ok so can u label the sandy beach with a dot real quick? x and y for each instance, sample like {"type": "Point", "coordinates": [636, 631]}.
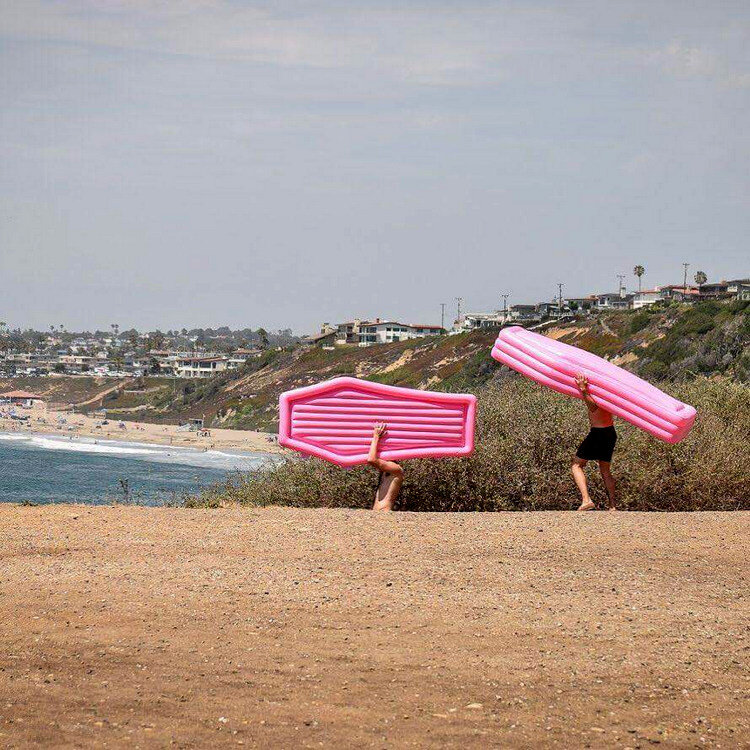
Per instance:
{"type": "Point", "coordinates": [48, 421]}
{"type": "Point", "coordinates": [134, 627]}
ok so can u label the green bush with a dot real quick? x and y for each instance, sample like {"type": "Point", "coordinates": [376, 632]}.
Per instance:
{"type": "Point", "coordinates": [526, 438]}
{"type": "Point", "coordinates": [639, 321]}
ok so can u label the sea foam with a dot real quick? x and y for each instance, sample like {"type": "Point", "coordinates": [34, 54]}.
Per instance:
{"type": "Point", "coordinates": [211, 459]}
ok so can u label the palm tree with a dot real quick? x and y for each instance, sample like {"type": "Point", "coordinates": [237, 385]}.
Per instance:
{"type": "Point", "coordinates": [700, 279]}
{"type": "Point", "coordinates": [639, 271]}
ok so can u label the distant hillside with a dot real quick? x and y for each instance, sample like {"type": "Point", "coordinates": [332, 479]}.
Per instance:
{"type": "Point", "coordinates": [670, 343]}
{"type": "Point", "coordinates": [674, 343]}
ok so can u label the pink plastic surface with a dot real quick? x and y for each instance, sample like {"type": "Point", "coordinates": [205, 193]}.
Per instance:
{"type": "Point", "coordinates": [334, 420]}
{"type": "Point", "coordinates": [555, 365]}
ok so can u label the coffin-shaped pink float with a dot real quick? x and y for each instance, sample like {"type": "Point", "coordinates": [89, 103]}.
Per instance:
{"type": "Point", "coordinates": [555, 365]}
{"type": "Point", "coordinates": [334, 420]}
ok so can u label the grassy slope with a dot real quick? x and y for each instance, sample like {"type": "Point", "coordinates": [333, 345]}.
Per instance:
{"type": "Point", "coordinates": [60, 390]}
{"type": "Point", "coordinates": [674, 343]}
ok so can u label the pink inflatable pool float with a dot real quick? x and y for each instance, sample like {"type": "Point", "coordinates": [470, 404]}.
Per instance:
{"type": "Point", "coordinates": [334, 420]}
{"type": "Point", "coordinates": [555, 365]}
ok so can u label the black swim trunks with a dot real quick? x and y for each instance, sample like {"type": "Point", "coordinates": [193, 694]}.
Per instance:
{"type": "Point", "coordinates": [598, 445]}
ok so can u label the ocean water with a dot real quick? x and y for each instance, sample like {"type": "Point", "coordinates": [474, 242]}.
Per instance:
{"type": "Point", "coordinates": [53, 468]}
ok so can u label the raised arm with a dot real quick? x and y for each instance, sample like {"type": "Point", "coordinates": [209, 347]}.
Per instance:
{"type": "Point", "coordinates": [389, 467]}
{"type": "Point", "coordinates": [583, 386]}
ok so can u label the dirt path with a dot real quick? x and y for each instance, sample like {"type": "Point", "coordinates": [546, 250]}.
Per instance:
{"type": "Point", "coordinates": [132, 627]}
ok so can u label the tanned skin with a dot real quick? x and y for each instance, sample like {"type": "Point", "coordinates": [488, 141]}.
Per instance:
{"type": "Point", "coordinates": [391, 474]}
{"type": "Point", "coordinates": [598, 417]}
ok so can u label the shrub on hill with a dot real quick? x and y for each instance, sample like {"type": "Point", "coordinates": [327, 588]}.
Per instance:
{"type": "Point", "coordinates": [526, 437]}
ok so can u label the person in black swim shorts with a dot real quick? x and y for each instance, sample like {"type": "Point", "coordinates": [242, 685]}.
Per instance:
{"type": "Point", "coordinates": [598, 446]}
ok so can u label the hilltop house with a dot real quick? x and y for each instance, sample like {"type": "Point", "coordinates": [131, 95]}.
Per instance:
{"type": "Point", "coordinates": [388, 331]}
{"type": "Point", "coordinates": [326, 337]}
{"type": "Point", "coordinates": [196, 366]}
{"type": "Point", "coordinates": [645, 298]}
{"type": "Point", "coordinates": [348, 333]}
{"type": "Point", "coordinates": [475, 321]}
{"type": "Point", "coordinates": [368, 332]}
{"type": "Point", "coordinates": [552, 309]}
{"type": "Point", "coordinates": [739, 289]}
{"type": "Point", "coordinates": [613, 301]}
{"type": "Point", "coordinates": [679, 293]}
{"type": "Point", "coordinates": [581, 303]}
{"type": "Point", "coordinates": [525, 314]}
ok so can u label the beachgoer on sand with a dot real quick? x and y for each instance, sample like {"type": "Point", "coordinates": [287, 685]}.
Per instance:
{"type": "Point", "coordinates": [598, 446]}
{"type": "Point", "coordinates": [391, 474]}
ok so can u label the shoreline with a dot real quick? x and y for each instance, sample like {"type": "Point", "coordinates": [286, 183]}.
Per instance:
{"type": "Point", "coordinates": [54, 423]}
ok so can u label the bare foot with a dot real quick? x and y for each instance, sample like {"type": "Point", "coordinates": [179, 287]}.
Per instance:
{"type": "Point", "coordinates": [612, 508]}
{"type": "Point", "coordinates": [587, 506]}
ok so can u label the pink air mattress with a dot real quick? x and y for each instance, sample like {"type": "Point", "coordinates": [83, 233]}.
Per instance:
{"type": "Point", "coordinates": [334, 420]}
{"type": "Point", "coordinates": [555, 365]}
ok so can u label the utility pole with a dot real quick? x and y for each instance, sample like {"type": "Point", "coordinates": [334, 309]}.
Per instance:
{"type": "Point", "coordinates": [559, 299]}
{"type": "Point", "coordinates": [684, 280]}
{"type": "Point", "coordinates": [459, 300]}
{"type": "Point", "coordinates": [505, 306]}
{"type": "Point", "coordinates": [442, 315]}
{"type": "Point", "coordinates": [620, 276]}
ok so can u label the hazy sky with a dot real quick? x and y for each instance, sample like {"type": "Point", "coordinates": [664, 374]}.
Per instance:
{"type": "Point", "coordinates": [205, 162]}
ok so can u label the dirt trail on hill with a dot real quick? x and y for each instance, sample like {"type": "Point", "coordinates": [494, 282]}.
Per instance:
{"type": "Point", "coordinates": [134, 627]}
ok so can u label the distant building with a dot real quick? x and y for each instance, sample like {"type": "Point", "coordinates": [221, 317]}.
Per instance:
{"type": "Point", "coordinates": [739, 289]}
{"type": "Point", "coordinates": [21, 398]}
{"type": "Point", "coordinates": [645, 298]}
{"type": "Point", "coordinates": [717, 290]}
{"type": "Point", "coordinates": [613, 301]}
{"type": "Point", "coordinates": [524, 314]}
{"type": "Point", "coordinates": [369, 332]}
{"type": "Point", "coordinates": [199, 367]}
{"type": "Point", "coordinates": [388, 331]}
{"type": "Point", "coordinates": [476, 321]}
{"type": "Point", "coordinates": [581, 303]}
{"type": "Point", "coordinates": [348, 333]}
{"type": "Point", "coordinates": [324, 338]}
{"type": "Point", "coordinates": [679, 293]}
{"type": "Point", "coordinates": [552, 309]}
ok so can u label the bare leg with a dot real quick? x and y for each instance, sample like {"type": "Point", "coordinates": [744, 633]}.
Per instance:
{"type": "Point", "coordinates": [580, 479]}
{"type": "Point", "coordinates": [609, 482]}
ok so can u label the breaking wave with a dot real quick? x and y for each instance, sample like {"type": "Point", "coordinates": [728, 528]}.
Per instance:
{"type": "Point", "coordinates": [211, 459]}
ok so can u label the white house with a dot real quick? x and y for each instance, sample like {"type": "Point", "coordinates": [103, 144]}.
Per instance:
{"type": "Point", "coordinates": [388, 331]}
{"type": "Point", "coordinates": [613, 301]}
{"type": "Point", "coordinates": [645, 298]}
{"type": "Point", "coordinates": [199, 367]}
{"type": "Point", "coordinates": [475, 321]}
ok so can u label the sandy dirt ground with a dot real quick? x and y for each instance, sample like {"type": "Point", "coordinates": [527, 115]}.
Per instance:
{"type": "Point", "coordinates": [135, 627]}
{"type": "Point", "coordinates": [66, 423]}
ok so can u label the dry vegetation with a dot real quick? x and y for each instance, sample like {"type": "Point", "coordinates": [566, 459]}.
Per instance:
{"type": "Point", "coordinates": [526, 436]}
